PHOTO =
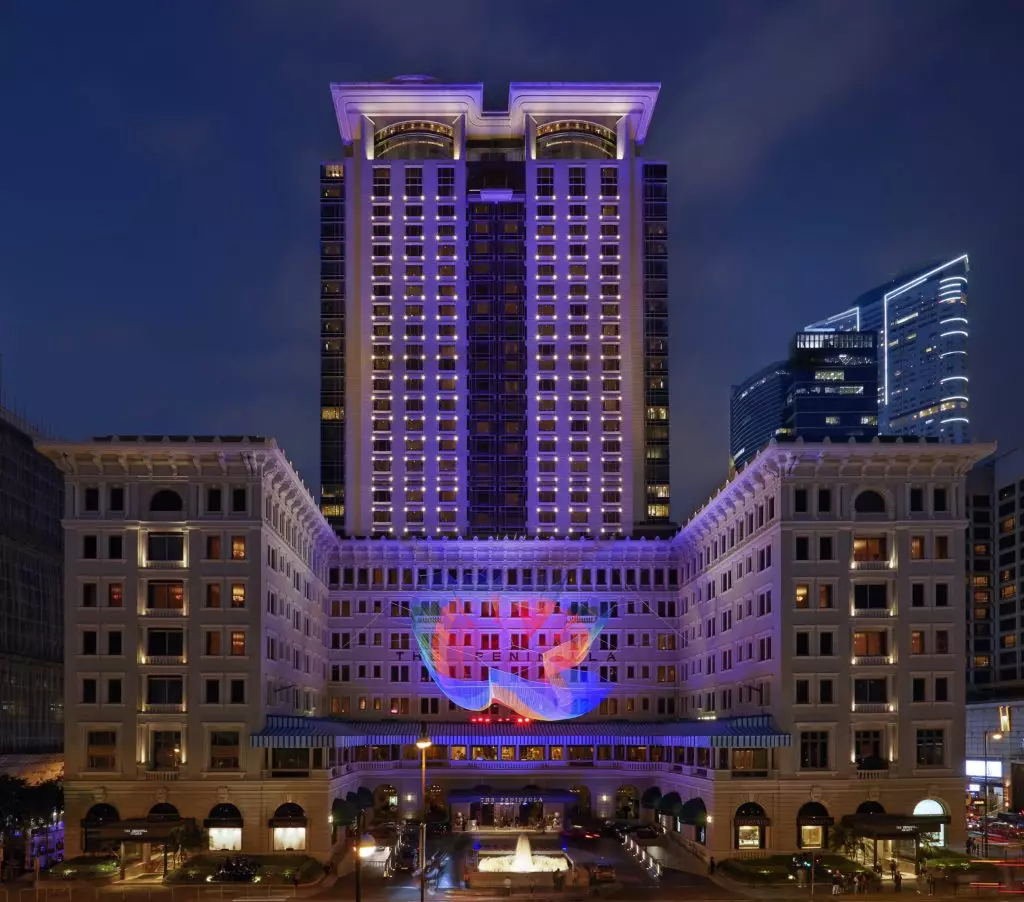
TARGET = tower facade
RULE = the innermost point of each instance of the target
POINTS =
(501, 321)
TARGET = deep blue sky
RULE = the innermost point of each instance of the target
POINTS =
(158, 236)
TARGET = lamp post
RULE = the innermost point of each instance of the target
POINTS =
(365, 844)
(423, 743)
(995, 736)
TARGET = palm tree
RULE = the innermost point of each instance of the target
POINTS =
(843, 841)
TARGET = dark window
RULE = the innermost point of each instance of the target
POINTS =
(939, 501)
(916, 500)
(814, 750)
(115, 547)
(169, 643)
(89, 691)
(942, 595)
(114, 642)
(92, 500)
(211, 692)
(825, 548)
(117, 498)
(238, 501)
(803, 692)
(869, 502)
(802, 551)
(918, 689)
(89, 642)
(165, 501)
(89, 595)
(803, 644)
(870, 596)
(931, 748)
(870, 692)
(824, 501)
(826, 644)
(165, 546)
(164, 690)
(89, 548)
(917, 595)
(800, 501)
(113, 692)
(942, 689)
(826, 693)
(214, 500)
(237, 692)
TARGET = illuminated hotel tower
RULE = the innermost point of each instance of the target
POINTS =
(921, 319)
(494, 313)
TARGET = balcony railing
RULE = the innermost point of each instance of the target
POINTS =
(872, 774)
(162, 660)
(872, 565)
(872, 660)
(872, 612)
(169, 773)
(164, 612)
(527, 765)
(874, 708)
(170, 708)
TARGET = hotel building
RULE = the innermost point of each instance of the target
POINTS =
(789, 660)
(494, 304)
(921, 321)
(495, 460)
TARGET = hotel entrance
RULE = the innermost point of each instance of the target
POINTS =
(487, 809)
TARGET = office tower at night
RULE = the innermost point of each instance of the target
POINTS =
(921, 320)
(494, 313)
(31, 612)
(826, 389)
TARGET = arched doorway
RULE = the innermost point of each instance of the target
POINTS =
(650, 798)
(750, 826)
(870, 808)
(627, 803)
(694, 814)
(289, 825)
(812, 823)
(385, 800)
(932, 808)
(224, 827)
(581, 807)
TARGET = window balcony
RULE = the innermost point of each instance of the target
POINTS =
(162, 660)
(872, 612)
(873, 774)
(872, 660)
(164, 612)
(164, 773)
(163, 708)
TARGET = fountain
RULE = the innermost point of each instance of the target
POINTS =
(523, 861)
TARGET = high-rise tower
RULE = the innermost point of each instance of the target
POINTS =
(921, 320)
(494, 297)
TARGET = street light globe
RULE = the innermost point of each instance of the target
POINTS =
(996, 736)
(424, 742)
(367, 845)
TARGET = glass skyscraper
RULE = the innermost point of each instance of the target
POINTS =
(921, 320)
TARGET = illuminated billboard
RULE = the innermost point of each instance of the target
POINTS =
(528, 659)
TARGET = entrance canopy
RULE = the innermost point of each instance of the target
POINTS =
(485, 795)
(893, 826)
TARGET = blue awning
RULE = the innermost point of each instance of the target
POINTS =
(285, 731)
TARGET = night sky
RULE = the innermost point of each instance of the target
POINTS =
(158, 209)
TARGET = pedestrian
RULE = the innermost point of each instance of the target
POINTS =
(931, 884)
(897, 880)
(837, 883)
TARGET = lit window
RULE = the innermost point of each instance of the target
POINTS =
(238, 595)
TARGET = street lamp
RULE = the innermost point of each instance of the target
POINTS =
(423, 743)
(995, 736)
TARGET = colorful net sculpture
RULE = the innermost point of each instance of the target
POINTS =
(562, 689)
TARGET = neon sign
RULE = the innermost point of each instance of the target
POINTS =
(553, 637)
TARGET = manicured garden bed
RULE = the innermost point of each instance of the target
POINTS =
(271, 870)
(84, 867)
(779, 868)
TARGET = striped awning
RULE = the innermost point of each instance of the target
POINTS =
(283, 731)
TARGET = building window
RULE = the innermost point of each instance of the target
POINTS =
(115, 500)
(211, 692)
(942, 548)
(802, 597)
(800, 501)
(802, 548)
(89, 595)
(826, 548)
(917, 689)
(115, 548)
(870, 596)
(939, 501)
(942, 595)
(212, 599)
(916, 548)
(238, 548)
(826, 692)
(214, 500)
(803, 692)
(238, 595)
(238, 643)
(824, 501)
(825, 596)
(115, 595)
(114, 691)
(165, 595)
(239, 502)
(236, 692)
(165, 546)
(942, 689)
(814, 750)
(101, 750)
(917, 595)
(803, 644)
(917, 643)
(931, 748)
(89, 548)
(225, 750)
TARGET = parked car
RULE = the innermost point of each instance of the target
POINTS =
(604, 873)
(406, 860)
(647, 831)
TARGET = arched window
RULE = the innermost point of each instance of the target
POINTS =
(750, 823)
(289, 828)
(870, 808)
(812, 823)
(937, 816)
(101, 813)
(869, 502)
(163, 811)
(166, 501)
(224, 828)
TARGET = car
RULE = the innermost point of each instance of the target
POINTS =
(604, 873)
(646, 832)
(406, 860)
(578, 831)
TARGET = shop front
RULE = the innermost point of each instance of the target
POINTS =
(484, 808)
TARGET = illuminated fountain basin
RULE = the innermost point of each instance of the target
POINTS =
(524, 861)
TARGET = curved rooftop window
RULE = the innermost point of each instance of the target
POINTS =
(414, 140)
(575, 139)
